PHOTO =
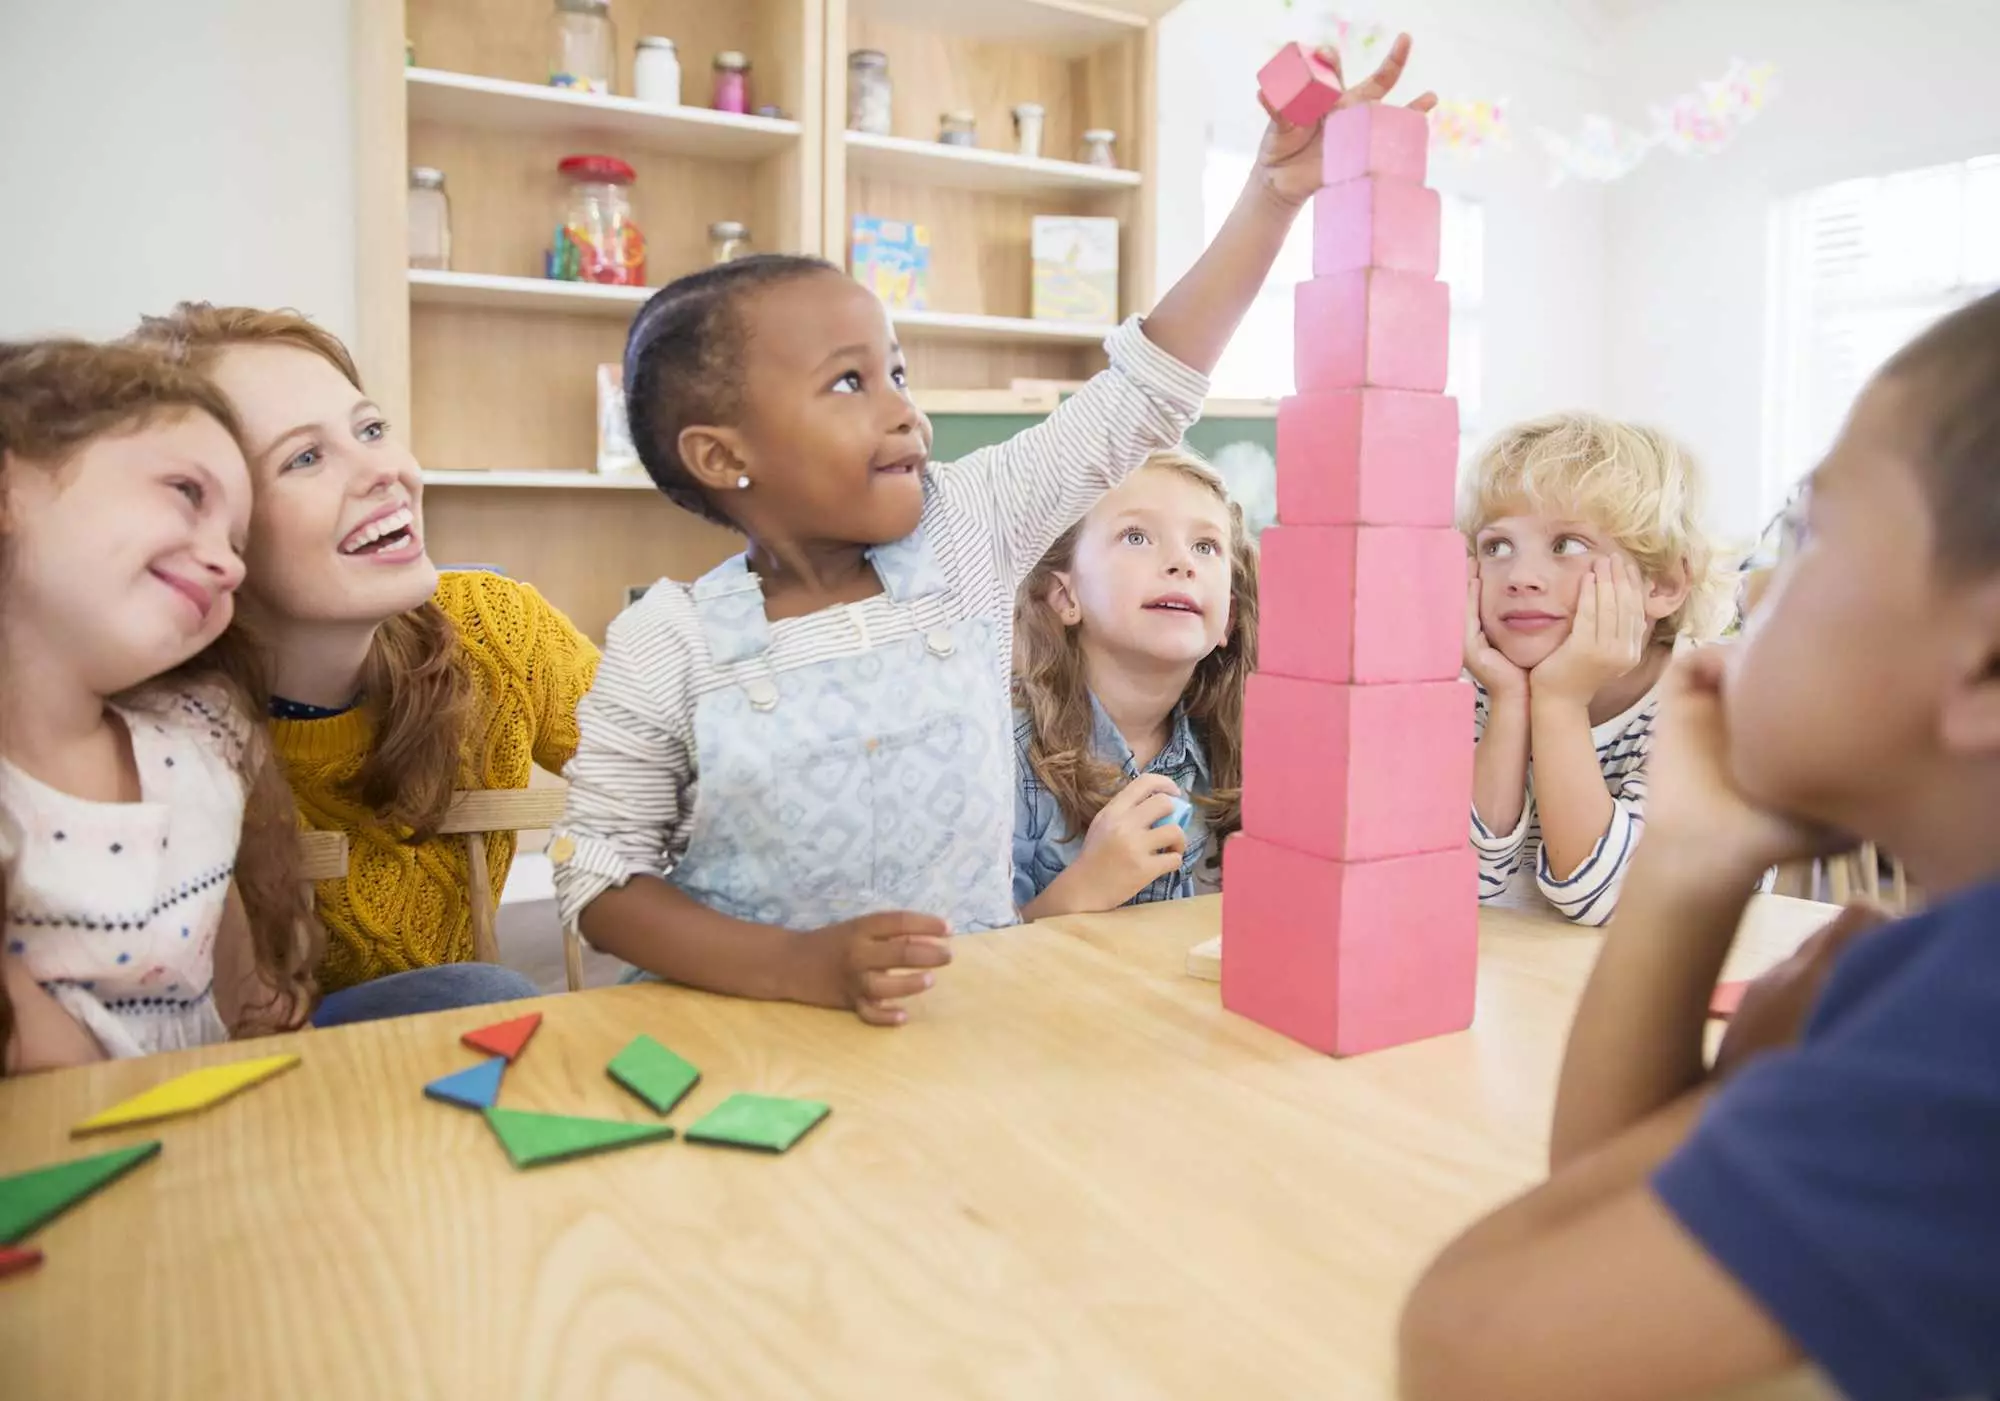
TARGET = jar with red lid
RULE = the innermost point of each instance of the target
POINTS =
(597, 239)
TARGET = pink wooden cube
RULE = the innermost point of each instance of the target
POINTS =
(1368, 604)
(1376, 223)
(1300, 86)
(1374, 138)
(1357, 773)
(1367, 457)
(1349, 957)
(1371, 328)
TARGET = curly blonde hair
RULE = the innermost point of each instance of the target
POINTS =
(1049, 678)
(1641, 487)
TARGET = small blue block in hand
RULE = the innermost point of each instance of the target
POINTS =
(1183, 810)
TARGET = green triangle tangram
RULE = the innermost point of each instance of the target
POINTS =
(29, 1199)
(534, 1139)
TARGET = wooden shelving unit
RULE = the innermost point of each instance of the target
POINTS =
(490, 368)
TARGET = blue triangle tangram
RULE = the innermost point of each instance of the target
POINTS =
(475, 1088)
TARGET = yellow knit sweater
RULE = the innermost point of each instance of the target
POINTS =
(404, 906)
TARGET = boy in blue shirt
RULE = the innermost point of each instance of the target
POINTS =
(1829, 1192)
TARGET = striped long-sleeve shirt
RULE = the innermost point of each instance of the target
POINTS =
(1514, 866)
(634, 783)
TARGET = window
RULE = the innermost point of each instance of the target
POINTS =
(1859, 268)
(1258, 363)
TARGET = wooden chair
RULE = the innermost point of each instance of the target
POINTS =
(476, 814)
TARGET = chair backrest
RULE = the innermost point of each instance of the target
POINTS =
(478, 812)
(325, 855)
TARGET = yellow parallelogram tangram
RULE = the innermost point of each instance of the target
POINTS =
(184, 1094)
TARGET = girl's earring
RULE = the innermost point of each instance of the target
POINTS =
(743, 482)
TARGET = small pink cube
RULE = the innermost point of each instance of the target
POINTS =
(1367, 457)
(1374, 138)
(1349, 957)
(1300, 86)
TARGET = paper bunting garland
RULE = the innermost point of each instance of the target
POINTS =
(1602, 150)
(1469, 128)
(1702, 122)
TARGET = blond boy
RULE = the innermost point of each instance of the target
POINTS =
(1590, 566)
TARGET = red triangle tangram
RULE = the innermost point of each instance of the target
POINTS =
(504, 1038)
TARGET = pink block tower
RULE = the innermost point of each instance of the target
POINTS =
(1350, 898)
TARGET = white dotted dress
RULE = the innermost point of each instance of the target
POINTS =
(114, 907)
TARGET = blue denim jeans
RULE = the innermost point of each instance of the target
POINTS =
(423, 990)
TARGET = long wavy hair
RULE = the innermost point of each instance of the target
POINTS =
(56, 397)
(1049, 681)
(414, 683)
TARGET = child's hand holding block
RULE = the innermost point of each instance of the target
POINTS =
(1299, 85)
(1183, 810)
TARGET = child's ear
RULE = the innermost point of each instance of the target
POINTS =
(1061, 599)
(1970, 724)
(1668, 590)
(713, 457)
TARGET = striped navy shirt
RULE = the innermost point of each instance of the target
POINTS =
(1514, 869)
(634, 783)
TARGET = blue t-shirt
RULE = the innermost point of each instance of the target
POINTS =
(1852, 1185)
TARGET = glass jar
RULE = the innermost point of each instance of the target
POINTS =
(732, 82)
(583, 46)
(430, 219)
(656, 72)
(1028, 128)
(728, 241)
(1097, 143)
(868, 92)
(597, 239)
(958, 129)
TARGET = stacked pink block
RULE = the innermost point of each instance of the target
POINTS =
(1350, 906)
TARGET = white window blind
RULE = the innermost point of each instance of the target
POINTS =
(1861, 267)
(1258, 362)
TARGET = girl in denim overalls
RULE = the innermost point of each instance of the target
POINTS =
(796, 774)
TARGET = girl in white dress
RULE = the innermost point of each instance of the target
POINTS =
(148, 847)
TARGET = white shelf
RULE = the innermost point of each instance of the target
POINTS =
(1068, 28)
(525, 293)
(559, 481)
(910, 162)
(497, 104)
(952, 325)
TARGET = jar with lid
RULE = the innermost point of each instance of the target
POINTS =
(868, 92)
(583, 46)
(1097, 143)
(430, 219)
(732, 82)
(728, 241)
(597, 239)
(656, 72)
(958, 129)
(1028, 128)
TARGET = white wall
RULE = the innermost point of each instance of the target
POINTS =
(1868, 87)
(1544, 328)
(152, 150)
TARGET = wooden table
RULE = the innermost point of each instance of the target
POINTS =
(1071, 1175)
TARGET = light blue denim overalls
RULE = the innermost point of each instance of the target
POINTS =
(882, 780)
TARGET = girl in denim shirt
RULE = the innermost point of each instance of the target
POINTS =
(1137, 632)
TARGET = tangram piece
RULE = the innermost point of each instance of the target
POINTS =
(504, 1038)
(764, 1122)
(1300, 86)
(1183, 811)
(15, 1260)
(534, 1139)
(30, 1199)
(184, 1094)
(1726, 998)
(654, 1073)
(475, 1087)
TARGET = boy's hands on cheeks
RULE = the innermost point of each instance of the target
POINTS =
(1489, 667)
(1289, 157)
(1693, 808)
(1607, 635)
(870, 964)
